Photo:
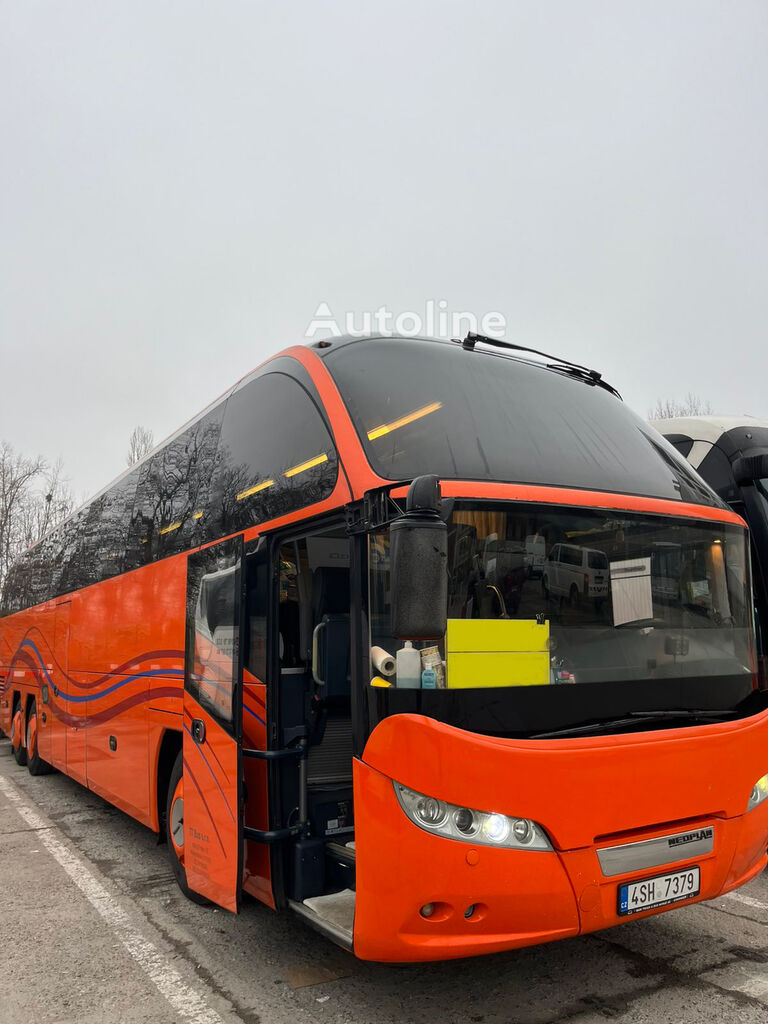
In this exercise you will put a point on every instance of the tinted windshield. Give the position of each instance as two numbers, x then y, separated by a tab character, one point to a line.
429	407
622	612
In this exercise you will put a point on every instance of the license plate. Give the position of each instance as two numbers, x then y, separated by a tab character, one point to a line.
633	897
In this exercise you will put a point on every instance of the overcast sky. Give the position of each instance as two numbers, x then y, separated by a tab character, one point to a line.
182	184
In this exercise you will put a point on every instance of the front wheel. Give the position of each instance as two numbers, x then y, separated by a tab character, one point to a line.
174	830
17	737
35	763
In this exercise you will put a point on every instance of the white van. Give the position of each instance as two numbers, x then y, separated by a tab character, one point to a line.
535	554
575	572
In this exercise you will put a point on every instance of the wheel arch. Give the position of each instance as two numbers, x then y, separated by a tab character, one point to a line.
168	750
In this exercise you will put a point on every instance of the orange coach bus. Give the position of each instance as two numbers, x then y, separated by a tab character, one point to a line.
306	640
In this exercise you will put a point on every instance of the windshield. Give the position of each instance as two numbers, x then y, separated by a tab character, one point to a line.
559	616
430	407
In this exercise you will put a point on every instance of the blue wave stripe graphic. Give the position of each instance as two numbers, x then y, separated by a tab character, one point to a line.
246	708
213	774
77	699
148	674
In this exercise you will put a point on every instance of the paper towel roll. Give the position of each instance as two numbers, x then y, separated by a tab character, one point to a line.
383	663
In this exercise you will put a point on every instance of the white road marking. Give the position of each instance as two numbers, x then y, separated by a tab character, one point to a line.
748	901
747	978
188	1004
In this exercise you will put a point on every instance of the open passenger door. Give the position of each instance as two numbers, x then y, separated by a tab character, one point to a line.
213	818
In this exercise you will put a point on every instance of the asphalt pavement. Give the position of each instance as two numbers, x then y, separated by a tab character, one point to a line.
94	929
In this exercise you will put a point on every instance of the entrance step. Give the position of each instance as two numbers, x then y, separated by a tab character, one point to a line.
333	915
340	865
345	852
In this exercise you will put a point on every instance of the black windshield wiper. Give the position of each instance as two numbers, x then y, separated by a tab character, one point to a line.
685	713
633	718
560	365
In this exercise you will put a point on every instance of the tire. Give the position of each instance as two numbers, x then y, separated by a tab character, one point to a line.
573	596
35	764
174	831
17	737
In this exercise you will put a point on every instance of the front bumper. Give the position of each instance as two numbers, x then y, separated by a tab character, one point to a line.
520	897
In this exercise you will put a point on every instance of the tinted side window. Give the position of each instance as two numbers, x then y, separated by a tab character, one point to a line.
275	455
115	517
16	590
173	494
74	553
91	547
42	567
106	530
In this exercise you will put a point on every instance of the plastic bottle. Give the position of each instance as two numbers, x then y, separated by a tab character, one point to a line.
429	679
408	667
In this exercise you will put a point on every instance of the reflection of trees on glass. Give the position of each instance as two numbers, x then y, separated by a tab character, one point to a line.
264	452
172	497
92	546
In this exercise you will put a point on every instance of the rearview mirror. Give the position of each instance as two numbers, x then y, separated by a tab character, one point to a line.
419	559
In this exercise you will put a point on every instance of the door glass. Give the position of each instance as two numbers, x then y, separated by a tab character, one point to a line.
213	616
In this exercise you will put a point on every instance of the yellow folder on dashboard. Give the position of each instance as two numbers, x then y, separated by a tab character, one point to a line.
496	652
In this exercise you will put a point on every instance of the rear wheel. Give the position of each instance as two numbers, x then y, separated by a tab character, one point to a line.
573	595
174	830
17	736
35	763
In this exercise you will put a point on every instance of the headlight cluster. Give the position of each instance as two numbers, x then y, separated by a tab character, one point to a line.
759	793
469	825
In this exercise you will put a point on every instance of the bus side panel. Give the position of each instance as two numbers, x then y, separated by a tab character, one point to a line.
130	663
6	654
29	659
55	720
118	747
26	667
13	671
257	870
44	637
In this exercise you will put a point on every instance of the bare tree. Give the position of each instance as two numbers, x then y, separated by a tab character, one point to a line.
17	472
140	443
34	497
669	408
50	504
